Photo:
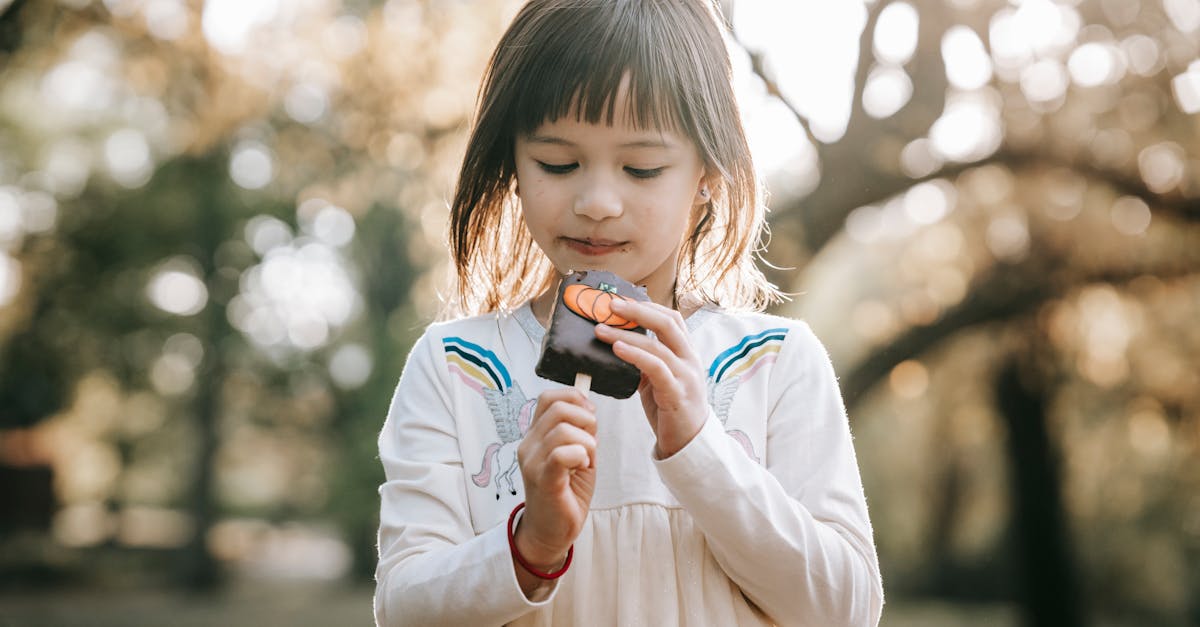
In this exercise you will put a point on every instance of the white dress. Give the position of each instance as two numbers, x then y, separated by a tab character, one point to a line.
760	520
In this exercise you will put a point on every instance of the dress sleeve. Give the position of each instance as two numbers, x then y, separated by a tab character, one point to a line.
792	533
433	569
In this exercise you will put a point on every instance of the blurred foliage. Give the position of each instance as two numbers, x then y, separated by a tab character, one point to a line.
221	229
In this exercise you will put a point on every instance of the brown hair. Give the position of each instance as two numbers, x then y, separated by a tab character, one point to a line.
560	55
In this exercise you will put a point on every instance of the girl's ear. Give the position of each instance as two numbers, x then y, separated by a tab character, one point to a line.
704	192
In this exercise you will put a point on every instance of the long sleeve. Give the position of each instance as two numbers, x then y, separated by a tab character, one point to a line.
433	569
792	533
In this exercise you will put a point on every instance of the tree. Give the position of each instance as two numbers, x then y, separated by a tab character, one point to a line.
1061	136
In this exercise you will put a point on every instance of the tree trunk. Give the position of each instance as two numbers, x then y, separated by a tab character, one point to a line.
1049	590
199	570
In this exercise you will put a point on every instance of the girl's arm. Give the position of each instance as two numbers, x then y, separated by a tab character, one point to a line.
794	535
433	569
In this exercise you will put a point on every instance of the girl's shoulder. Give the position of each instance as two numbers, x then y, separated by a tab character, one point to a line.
734	337
465	324
484	332
722	322
772	353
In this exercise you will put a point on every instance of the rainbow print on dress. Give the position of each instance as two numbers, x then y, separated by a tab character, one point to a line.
477	366
736	365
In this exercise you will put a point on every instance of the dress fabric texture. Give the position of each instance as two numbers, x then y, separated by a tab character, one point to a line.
759	520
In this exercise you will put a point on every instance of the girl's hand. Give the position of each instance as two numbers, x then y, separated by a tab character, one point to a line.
558	467
673	389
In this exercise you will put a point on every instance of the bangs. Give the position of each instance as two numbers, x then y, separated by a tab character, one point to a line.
583	56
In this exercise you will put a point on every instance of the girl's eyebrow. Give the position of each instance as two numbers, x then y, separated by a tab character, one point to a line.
640	143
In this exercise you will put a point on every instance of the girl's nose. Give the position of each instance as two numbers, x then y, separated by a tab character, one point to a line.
598	200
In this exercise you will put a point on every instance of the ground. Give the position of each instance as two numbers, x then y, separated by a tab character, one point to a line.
324	605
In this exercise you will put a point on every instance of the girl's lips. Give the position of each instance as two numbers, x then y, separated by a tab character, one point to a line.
593	247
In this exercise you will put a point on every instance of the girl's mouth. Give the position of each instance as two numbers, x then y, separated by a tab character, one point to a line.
593	247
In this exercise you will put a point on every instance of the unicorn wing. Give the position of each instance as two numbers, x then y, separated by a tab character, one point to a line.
506	411
720	395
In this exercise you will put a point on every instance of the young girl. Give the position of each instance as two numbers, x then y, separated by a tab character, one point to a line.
726	491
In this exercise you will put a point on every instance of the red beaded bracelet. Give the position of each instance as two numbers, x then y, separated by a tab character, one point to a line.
512	546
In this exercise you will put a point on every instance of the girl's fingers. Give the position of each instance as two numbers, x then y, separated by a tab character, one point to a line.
563	417
644	342
652	366
571	457
567	404
568	447
564	434
569	395
666	323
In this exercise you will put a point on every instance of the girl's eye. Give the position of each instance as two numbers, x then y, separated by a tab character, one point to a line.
644	173
558	169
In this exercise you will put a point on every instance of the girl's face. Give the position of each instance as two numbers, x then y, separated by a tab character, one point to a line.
610	197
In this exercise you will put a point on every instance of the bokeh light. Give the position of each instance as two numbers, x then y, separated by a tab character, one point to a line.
351	366
1162	166
1008	237
1095	64
167	19
968	65
1184	14
306	103
252	166
887	90
176	287
969	129
1131	215
896	33
127	155
909	379
297	297
228	25
1186	88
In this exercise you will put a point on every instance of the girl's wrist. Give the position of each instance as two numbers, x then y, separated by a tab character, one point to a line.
536	553
669	444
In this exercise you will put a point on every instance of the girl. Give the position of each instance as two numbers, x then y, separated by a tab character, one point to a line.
726	492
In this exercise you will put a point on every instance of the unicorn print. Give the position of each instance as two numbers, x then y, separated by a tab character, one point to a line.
736	365
481	370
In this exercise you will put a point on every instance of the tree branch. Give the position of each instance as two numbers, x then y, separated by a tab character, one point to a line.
1006	293
10	27
866	58
758	65
1001	295
836	201
1175	204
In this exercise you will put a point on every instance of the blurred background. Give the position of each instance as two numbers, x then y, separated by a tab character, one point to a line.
221	229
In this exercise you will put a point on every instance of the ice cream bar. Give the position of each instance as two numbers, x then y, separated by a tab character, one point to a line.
570	347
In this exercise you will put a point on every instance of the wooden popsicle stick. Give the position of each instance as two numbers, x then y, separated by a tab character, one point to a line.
583	382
